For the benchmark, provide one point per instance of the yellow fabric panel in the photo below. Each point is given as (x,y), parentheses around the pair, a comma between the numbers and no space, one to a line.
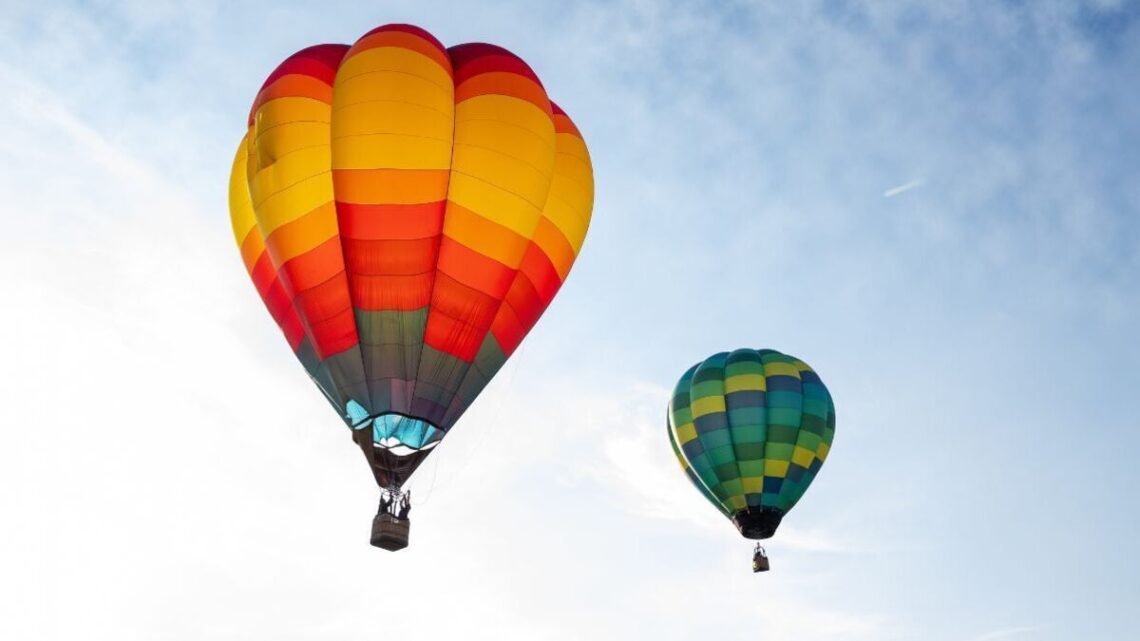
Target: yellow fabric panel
(279,111)
(395,186)
(393,108)
(508,139)
(707,405)
(290,204)
(509,110)
(822,450)
(574,160)
(394,86)
(571,196)
(288,171)
(387,117)
(291,137)
(391,151)
(398,59)
(752,484)
(802,457)
(529,182)
(742,382)
(484,236)
(778,469)
(532,143)
(293,239)
(505,180)
(241,208)
(274,139)
(685,433)
(777,369)
(494,202)
(738,502)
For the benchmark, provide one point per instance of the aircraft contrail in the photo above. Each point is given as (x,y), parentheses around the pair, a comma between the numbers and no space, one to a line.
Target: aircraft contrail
(895,191)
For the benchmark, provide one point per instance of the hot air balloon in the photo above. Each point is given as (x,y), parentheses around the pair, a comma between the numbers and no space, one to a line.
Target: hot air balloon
(751,429)
(407,212)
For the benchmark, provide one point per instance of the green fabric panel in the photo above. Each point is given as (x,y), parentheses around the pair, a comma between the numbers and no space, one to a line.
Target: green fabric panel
(748,452)
(808,440)
(778,451)
(748,433)
(784,416)
(722,456)
(741,417)
(754,467)
(779,433)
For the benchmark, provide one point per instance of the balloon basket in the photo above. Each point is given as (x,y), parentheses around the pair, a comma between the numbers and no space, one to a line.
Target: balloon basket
(390,532)
(759,559)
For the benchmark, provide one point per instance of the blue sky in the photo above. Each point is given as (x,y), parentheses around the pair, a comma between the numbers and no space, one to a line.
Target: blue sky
(933,205)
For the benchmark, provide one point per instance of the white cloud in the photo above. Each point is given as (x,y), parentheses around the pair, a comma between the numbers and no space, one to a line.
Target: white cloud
(1007,633)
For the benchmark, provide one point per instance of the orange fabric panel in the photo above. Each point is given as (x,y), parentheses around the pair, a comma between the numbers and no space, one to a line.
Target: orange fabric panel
(474,269)
(504,84)
(391,186)
(297,86)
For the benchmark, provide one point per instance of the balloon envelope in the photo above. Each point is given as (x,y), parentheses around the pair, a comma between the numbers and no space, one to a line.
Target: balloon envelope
(751,429)
(407,212)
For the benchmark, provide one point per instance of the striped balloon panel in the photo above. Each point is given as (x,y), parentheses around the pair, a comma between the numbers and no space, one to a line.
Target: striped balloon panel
(420,206)
(267,280)
(393,123)
(751,428)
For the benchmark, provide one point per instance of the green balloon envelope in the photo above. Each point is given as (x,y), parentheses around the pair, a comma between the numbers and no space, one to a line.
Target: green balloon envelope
(751,429)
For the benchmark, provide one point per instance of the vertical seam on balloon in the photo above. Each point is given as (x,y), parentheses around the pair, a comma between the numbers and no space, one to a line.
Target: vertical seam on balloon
(466,366)
(415,376)
(707,451)
(732,436)
(671,423)
(767,427)
(343,259)
(785,493)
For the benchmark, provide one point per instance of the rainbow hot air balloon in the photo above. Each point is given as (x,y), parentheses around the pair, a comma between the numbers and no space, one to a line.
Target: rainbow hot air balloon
(751,429)
(407,212)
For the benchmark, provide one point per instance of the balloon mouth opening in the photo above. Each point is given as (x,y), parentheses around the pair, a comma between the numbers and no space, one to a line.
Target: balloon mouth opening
(757,523)
(398,434)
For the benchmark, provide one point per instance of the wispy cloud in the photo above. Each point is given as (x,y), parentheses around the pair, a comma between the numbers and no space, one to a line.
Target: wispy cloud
(1006,633)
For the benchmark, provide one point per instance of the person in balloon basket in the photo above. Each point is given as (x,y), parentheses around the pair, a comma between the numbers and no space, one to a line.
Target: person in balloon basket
(405,507)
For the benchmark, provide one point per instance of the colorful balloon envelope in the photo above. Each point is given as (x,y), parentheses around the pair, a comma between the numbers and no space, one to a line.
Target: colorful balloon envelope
(407,212)
(751,429)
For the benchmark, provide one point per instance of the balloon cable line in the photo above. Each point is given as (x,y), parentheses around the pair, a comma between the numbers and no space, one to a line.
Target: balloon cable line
(516,359)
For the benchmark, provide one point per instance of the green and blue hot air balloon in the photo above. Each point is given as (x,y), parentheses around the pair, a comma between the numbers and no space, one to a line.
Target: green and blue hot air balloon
(751,428)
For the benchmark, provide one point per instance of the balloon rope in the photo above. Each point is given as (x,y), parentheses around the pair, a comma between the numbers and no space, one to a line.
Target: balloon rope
(434,472)
(495,415)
